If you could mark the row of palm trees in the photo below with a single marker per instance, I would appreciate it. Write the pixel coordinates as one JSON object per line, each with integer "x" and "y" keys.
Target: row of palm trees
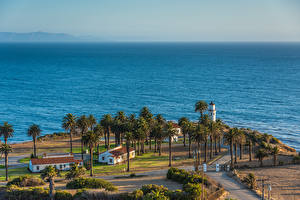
{"x": 255, "y": 142}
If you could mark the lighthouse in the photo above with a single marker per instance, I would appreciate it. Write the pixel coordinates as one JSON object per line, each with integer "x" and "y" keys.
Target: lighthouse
{"x": 212, "y": 111}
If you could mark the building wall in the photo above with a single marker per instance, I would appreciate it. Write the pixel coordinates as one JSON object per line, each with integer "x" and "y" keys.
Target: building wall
{"x": 109, "y": 159}
{"x": 61, "y": 166}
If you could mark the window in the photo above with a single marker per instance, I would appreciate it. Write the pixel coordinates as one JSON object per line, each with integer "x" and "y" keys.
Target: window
{"x": 37, "y": 167}
{"x": 60, "y": 166}
{"x": 64, "y": 166}
{"x": 110, "y": 160}
{"x": 103, "y": 158}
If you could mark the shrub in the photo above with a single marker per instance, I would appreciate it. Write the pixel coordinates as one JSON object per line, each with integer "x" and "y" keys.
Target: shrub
{"x": 34, "y": 193}
{"x": 132, "y": 175}
{"x": 193, "y": 190}
{"x": 296, "y": 159}
{"x": 91, "y": 183}
{"x": 62, "y": 195}
{"x": 154, "y": 188}
{"x": 250, "y": 180}
{"x": 136, "y": 195}
{"x": 281, "y": 163}
{"x": 25, "y": 181}
{"x": 155, "y": 196}
{"x": 102, "y": 195}
{"x": 75, "y": 171}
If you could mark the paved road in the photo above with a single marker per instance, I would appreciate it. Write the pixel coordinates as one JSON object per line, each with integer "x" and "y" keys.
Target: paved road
{"x": 235, "y": 189}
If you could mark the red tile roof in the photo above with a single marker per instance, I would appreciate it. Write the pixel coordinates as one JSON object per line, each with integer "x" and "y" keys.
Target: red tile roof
{"x": 175, "y": 125}
{"x": 121, "y": 151}
{"x": 54, "y": 160}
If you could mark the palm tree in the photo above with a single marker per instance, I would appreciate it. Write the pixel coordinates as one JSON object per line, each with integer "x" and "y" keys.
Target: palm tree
{"x": 201, "y": 106}
{"x": 182, "y": 123}
{"x": 6, "y": 149}
{"x": 274, "y": 152}
{"x": 128, "y": 137}
{"x": 219, "y": 135}
{"x": 69, "y": 124}
{"x": 148, "y": 116}
{"x": 91, "y": 139}
{"x": 91, "y": 121}
{"x": 249, "y": 140}
{"x": 34, "y": 131}
{"x": 190, "y": 131}
{"x": 140, "y": 133}
{"x": 83, "y": 125}
{"x": 261, "y": 154}
{"x": 50, "y": 173}
{"x": 6, "y": 130}
{"x": 230, "y": 138}
{"x": 198, "y": 136}
{"x": 106, "y": 122}
{"x": 170, "y": 132}
{"x": 158, "y": 125}
{"x": 119, "y": 126}
{"x": 214, "y": 131}
{"x": 241, "y": 140}
{"x": 98, "y": 129}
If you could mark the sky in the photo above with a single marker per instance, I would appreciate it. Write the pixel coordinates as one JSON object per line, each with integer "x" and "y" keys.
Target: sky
{"x": 157, "y": 20}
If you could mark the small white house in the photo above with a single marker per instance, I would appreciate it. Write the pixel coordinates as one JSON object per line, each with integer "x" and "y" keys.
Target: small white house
{"x": 116, "y": 155}
{"x": 177, "y": 128}
{"x": 61, "y": 162}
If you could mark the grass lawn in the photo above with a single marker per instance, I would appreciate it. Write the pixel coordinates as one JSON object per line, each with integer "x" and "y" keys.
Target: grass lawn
{"x": 13, "y": 173}
{"x": 24, "y": 160}
{"x": 138, "y": 164}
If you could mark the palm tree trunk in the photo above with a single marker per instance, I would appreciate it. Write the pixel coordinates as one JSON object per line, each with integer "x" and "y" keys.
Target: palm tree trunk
{"x": 108, "y": 138}
{"x": 219, "y": 144}
{"x": 231, "y": 153}
{"x": 6, "y": 166}
{"x": 155, "y": 145}
{"x": 205, "y": 152}
{"x": 150, "y": 143}
{"x": 71, "y": 142}
{"x": 211, "y": 147}
{"x": 190, "y": 146}
{"x": 128, "y": 156}
{"x": 241, "y": 151}
{"x": 170, "y": 151}
{"x": 275, "y": 159}
{"x": 139, "y": 151}
{"x": 143, "y": 146}
{"x": 91, "y": 160}
{"x": 159, "y": 148}
{"x": 261, "y": 162}
{"x": 51, "y": 188}
{"x": 184, "y": 139}
{"x": 250, "y": 151}
{"x": 216, "y": 150}
{"x": 235, "y": 153}
{"x": 34, "y": 147}
{"x": 81, "y": 144}
{"x": 105, "y": 140}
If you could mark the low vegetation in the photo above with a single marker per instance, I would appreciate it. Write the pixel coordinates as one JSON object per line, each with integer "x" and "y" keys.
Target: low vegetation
{"x": 91, "y": 183}
{"x": 26, "y": 181}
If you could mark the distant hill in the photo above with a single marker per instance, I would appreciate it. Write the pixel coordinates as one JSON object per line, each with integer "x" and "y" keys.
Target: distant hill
{"x": 37, "y": 37}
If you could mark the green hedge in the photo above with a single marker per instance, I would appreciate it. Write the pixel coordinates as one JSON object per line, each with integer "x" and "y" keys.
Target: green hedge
{"x": 184, "y": 177}
{"x": 35, "y": 193}
{"x": 25, "y": 181}
{"x": 92, "y": 183}
{"x": 63, "y": 195}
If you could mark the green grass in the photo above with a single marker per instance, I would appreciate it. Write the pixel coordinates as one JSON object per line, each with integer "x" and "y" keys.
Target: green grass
{"x": 2, "y": 167}
{"x": 145, "y": 161}
{"x": 24, "y": 160}
{"x": 78, "y": 149}
{"x": 13, "y": 173}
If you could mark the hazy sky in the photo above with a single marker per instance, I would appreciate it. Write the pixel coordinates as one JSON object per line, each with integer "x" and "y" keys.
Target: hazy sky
{"x": 169, "y": 20}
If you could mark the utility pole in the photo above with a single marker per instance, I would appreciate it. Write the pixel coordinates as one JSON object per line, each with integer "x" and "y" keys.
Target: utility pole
{"x": 263, "y": 189}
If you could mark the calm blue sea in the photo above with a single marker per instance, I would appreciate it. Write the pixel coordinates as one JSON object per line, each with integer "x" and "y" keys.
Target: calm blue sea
{"x": 254, "y": 85}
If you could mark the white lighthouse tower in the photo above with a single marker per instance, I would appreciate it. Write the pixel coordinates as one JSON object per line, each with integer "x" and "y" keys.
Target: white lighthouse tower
{"x": 212, "y": 111}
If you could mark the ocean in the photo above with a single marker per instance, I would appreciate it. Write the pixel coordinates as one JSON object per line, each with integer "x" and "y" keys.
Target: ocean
{"x": 254, "y": 85}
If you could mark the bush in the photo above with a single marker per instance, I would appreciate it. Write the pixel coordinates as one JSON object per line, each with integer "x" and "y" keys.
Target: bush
{"x": 91, "y": 183}
{"x": 35, "y": 193}
{"x": 102, "y": 195}
{"x": 250, "y": 180}
{"x": 25, "y": 181}
{"x": 75, "y": 171}
{"x": 154, "y": 188}
{"x": 132, "y": 175}
{"x": 184, "y": 177}
{"x": 62, "y": 195}
{"x": 193, "y": 190}
{"x": 136, "y": 195}
{"x": 296, "y": 159}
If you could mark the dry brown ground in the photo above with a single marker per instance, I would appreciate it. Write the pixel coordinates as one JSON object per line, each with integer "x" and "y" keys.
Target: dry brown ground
{"x": 284, "y": 180}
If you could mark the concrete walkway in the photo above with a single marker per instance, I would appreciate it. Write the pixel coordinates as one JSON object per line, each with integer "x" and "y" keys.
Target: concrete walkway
{"x": 235, "y": 189}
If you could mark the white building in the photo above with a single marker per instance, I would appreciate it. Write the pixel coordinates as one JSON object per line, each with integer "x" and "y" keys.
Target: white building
{"x": 116, "y": 155}
{"x": 212, "y": 111}
{"x": 175, "y": 137}
{"x": 61, "y": 162}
